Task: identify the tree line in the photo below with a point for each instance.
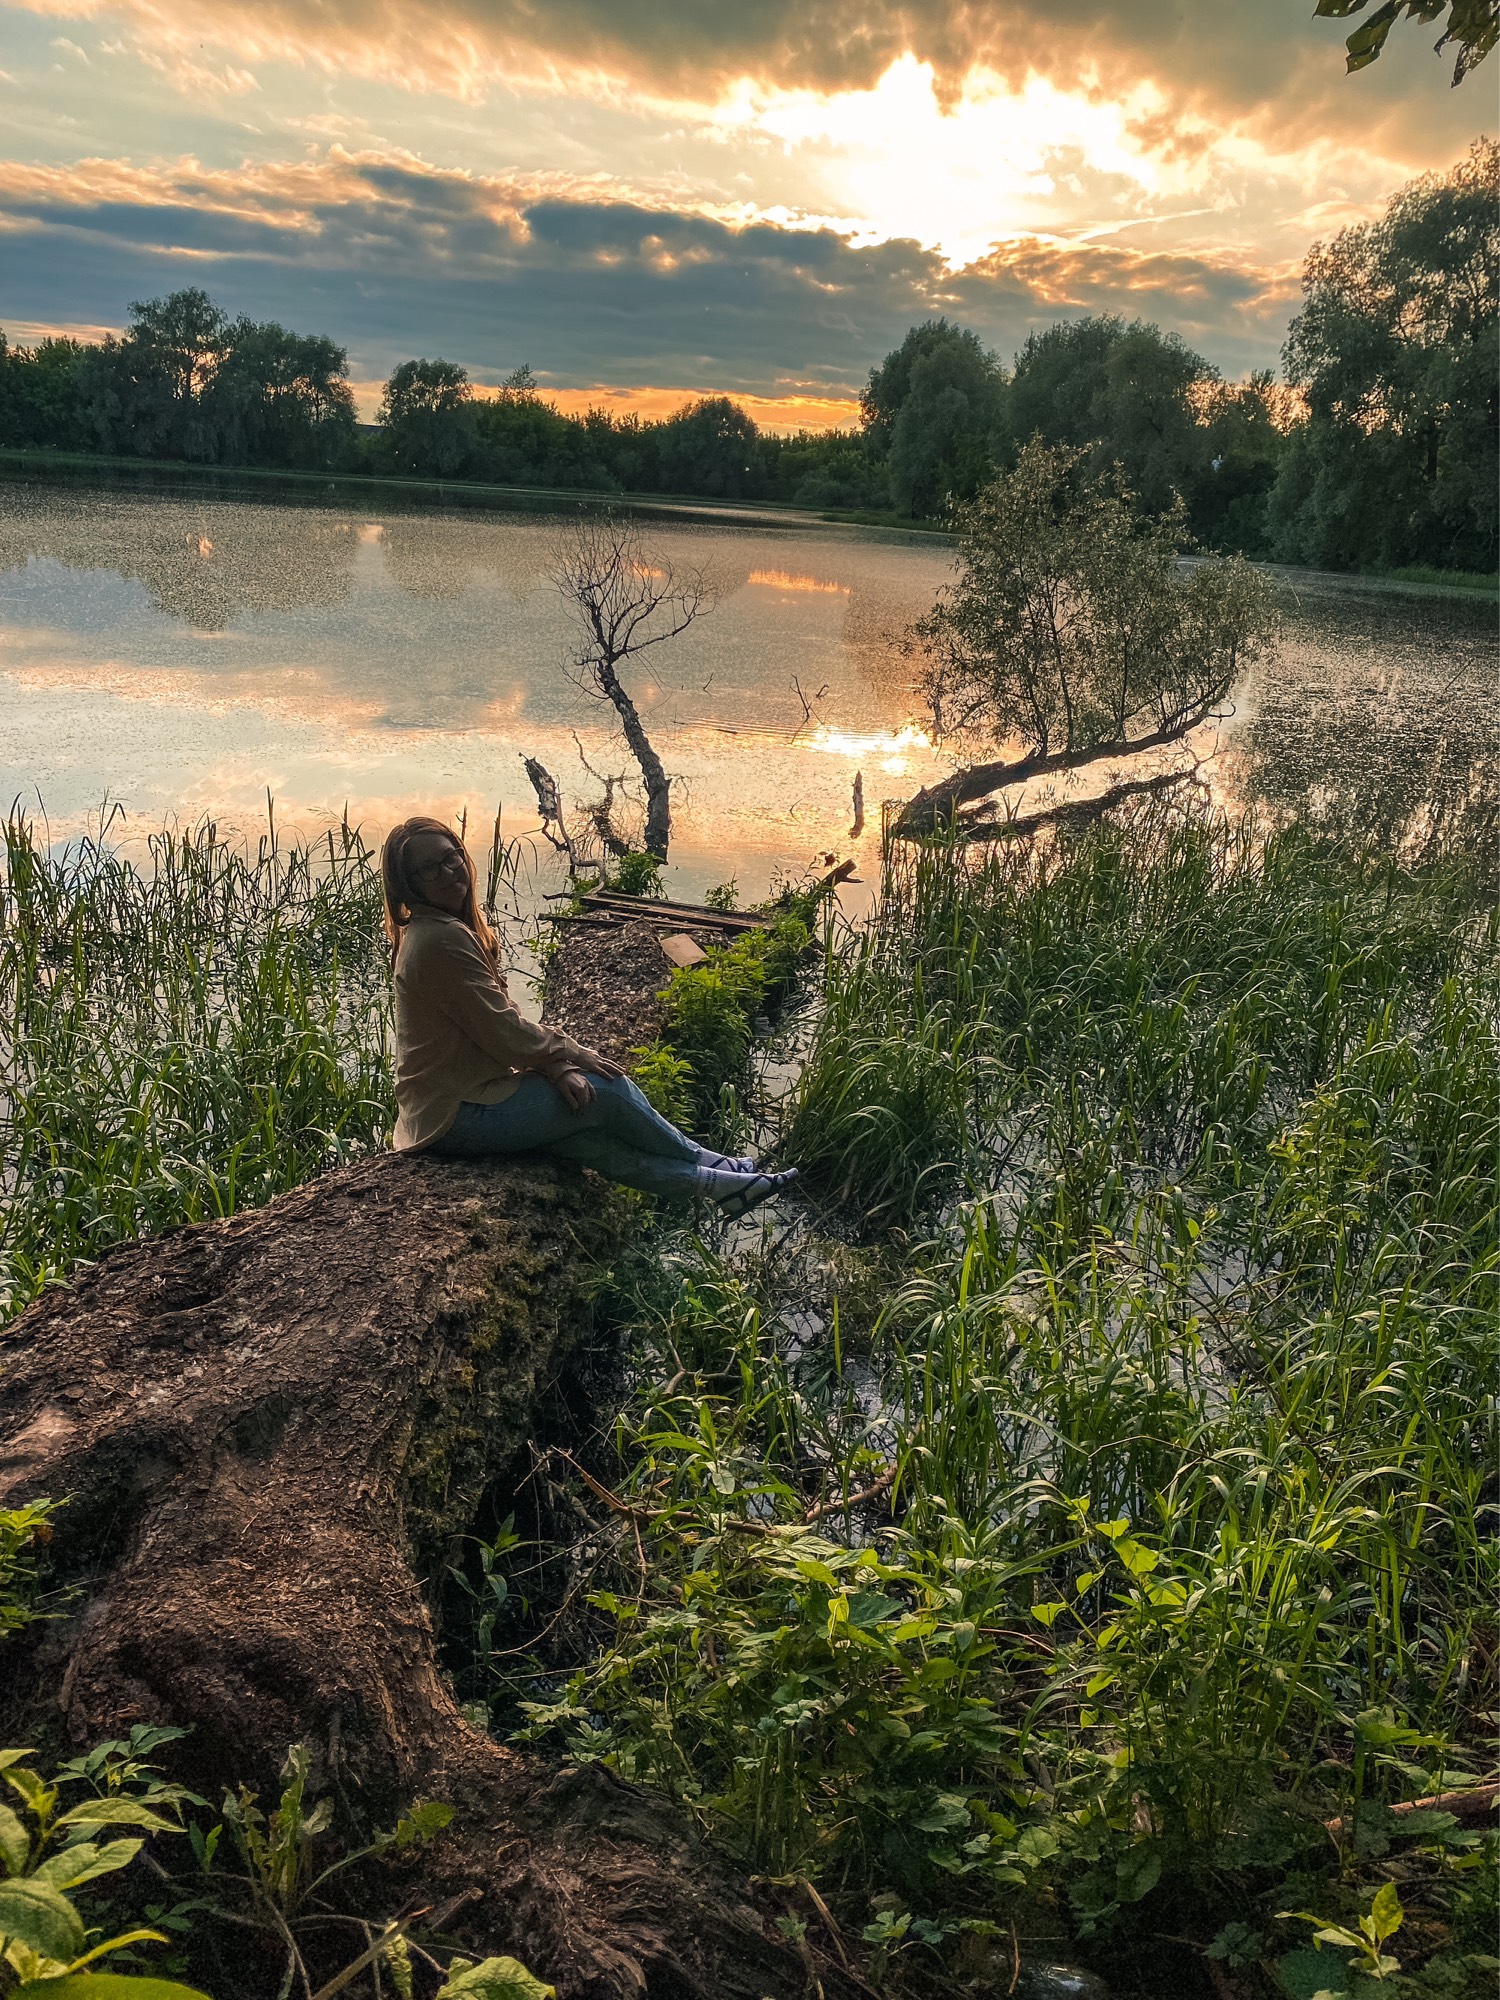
(1376, 451)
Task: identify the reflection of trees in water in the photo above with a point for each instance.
(201, 563)
(1386, 732)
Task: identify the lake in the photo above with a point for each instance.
(187, 655)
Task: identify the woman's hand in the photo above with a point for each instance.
(574, 1088)
(593, 1064)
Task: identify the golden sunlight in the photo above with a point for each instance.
(895, 162)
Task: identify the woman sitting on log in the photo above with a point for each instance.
(474, 1077)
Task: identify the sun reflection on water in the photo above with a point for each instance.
(888, 747)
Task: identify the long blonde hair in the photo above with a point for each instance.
(401, 897)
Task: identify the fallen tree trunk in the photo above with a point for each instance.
(936, 806)
(1072, 817)
(270, 1433)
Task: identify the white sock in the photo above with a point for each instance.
(717, 1182)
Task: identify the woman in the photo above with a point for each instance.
(475, 1078)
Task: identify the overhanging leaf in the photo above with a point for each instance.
(85, 1862)
(38, 1916)
(117, 1812)
(15, 1844)
(111, 1986)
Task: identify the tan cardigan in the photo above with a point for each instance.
(460, 1038)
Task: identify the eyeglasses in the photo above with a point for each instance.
(452, 864)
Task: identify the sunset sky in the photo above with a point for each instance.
(674, 197)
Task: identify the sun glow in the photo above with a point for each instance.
(889, 748)
(896, 162)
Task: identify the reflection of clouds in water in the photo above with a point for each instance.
(183, 654)
(783, 579)
(199, 562)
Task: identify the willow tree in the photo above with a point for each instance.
(1074, 632)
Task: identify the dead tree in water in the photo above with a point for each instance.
(629, 599)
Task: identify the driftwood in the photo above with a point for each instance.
(271, 1433)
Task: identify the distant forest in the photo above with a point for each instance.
(1377, 451)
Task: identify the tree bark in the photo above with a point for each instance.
(1075, 815)
(658, 785)
(933, 808)
(270, 1433)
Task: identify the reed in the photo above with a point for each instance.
(181, 1035)
(1178, 1418)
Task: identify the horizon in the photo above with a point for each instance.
(649, 210)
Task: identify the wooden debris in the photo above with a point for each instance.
(680, 949)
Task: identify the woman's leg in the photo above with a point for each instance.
(622, 1109)
(618, 1134)
(652, 1173)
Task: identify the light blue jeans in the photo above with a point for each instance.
(618, 1135)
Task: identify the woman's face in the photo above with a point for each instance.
(437, 873)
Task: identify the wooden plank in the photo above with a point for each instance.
(651, 911)
(679, 949)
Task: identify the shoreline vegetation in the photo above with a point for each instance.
(1074, 1536)
(1375, 452)
(1055, 1551)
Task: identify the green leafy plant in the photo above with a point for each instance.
(492, 1979)
(282, 1882)
(1367, 1936)
(636, 874)
(22, 1529)
(51, 1849)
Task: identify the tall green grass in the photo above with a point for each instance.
(181, 1035)
(1180, 1412)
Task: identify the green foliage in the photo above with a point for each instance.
(49, 1849)
(666, 1081)
(427, 418)
(179, 1038)
(110, 1986)
(185, 382)
(21, 1529)
(1472, 24)
(1396, 350)
(1366, 1938)
(1173, 1437)
(711, 1010)
(492, 1979)
(1070, 624)
(287, 1861)
(1125, 396)
(933, 405)
(636, 874)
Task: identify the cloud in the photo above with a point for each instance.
(1271, 63)
(591, 283)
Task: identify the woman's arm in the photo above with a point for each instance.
(474, 999)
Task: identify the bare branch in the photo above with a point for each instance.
(629, 599)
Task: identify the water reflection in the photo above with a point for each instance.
(186, 654)
(196, 565)
(1378, 721)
